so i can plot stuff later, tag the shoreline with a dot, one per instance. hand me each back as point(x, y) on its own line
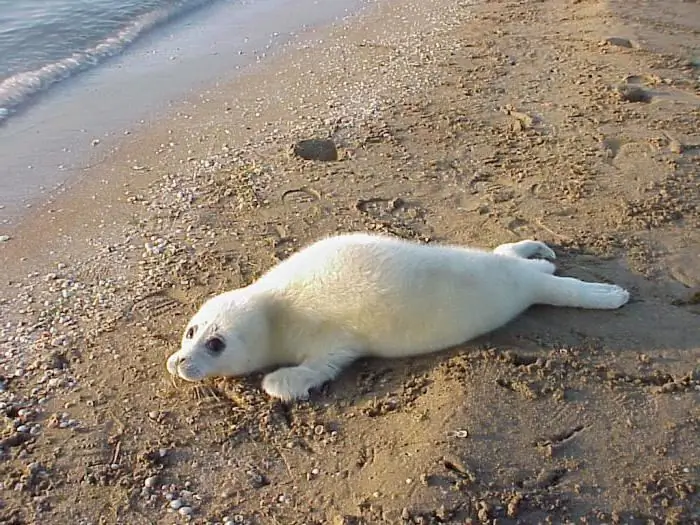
point(475, 123)
point(56, 137)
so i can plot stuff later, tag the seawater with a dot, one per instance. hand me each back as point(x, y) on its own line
point(43, 42)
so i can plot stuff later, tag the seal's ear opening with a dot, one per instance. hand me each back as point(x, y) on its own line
point(215, 345)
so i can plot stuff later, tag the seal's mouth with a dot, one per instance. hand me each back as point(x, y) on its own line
point(184, 368)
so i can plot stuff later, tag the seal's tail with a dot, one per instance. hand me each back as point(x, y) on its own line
point(567, 291)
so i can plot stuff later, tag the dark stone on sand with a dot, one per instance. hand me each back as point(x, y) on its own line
point(633, 94)
point(619, 42)
point(316, 149)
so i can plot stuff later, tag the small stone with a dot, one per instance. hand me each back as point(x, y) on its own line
point(633, 94)
point(316, 149)
point(23, 428)
point(95, 142)
point(619, 42)
point(176, 504)
point(150, 482)
point(185, 511)
point(4, 238)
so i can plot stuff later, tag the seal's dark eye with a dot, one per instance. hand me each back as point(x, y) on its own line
point(215, 345)
point(191, 331)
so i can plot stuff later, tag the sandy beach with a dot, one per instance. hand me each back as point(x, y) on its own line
point(572, 122)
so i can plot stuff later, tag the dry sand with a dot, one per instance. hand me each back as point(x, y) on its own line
point(574, 122)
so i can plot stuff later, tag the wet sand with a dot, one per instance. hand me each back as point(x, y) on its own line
point(475, 123)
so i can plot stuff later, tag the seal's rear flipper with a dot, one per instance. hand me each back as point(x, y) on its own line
point(567, 291)
point(526, 250)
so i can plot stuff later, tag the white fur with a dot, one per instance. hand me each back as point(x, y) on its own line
point(353, 295)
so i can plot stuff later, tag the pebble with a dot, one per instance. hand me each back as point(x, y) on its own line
point(185, 511)
point(618, 41)
point(176, 504)
point(24, 412)
point(150, 482)
point(4, 238)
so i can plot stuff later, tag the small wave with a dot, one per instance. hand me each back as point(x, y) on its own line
point(21, 87)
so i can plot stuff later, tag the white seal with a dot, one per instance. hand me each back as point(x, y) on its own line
point(355, 295)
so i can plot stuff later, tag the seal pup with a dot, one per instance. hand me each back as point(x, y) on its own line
point(370, 295)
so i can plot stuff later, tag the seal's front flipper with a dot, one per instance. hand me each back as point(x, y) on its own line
point(294, 382)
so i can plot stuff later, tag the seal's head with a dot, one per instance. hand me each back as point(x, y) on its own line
point(228, 336)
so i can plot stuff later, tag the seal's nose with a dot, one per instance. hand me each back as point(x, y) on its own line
point(174, 361)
